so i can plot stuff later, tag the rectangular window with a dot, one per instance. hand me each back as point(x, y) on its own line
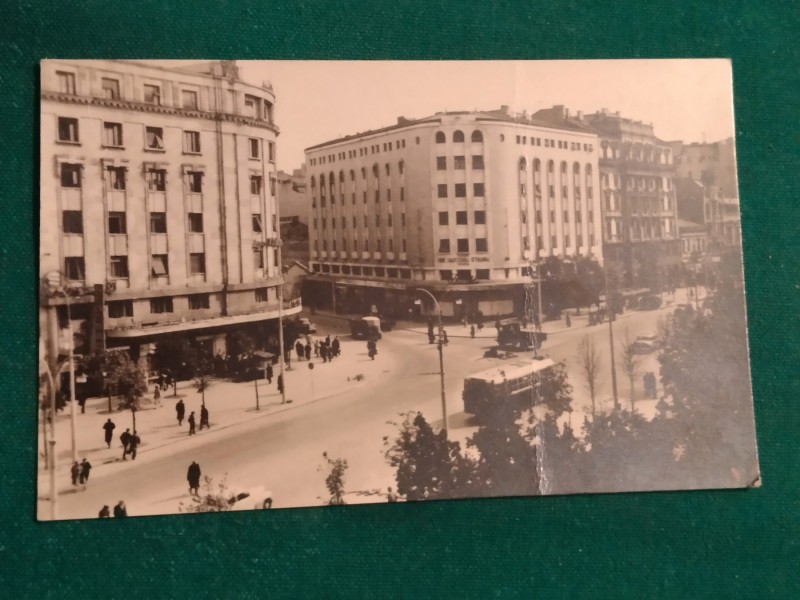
point(480, 217)
point(258, 226)
point(446, 274)
point(251, 106)
point(461, 217)
point(566, 216)
point(262, 294)
point(444, 218)
point(66, 82)
point(119, 266)
point(196, 222)
point(461, 190)
point(160, 305)
point(255, 148)
point(189, 99)
point(191, 142)
point(74, 268)
point(70, 175)
point(154, 138)
point(157, 180)
point(256, 183)
point(483, 273)
point(117, 223)
point(152, 94)
point(68, 130)
point(389, 220)
point(116, 178)
point(462, 245)
point(195, 182)
point(158, 222)
point(442, 190)
point(444, 246)
point(481, 245)
point(110, 88)
point(477, 162)
point(477, 190)
point(403, 245)
point(460, 163)
point(271, 151)
point(120, 308)
point(112, 134)
point(403, 219)
point(377, 220)
point(159, 265)
point(197, 263)
point(199, 301)
point(441, 163)
point(72, 221)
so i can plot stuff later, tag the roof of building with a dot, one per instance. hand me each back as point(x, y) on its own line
point(502, 115)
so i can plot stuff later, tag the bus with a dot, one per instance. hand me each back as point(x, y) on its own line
point(511, 383)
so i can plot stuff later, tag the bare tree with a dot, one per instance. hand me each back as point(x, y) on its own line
point(590, 366)
point(630, 362)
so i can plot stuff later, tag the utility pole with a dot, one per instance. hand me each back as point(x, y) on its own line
point(610, 314)
point(441, 358)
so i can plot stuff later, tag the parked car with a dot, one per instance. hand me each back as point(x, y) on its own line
point(306, 326)
point(645, 344)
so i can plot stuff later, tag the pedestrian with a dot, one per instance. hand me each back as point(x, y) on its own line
point(269, 372)
point(191, 422)
point(160, 382)
point(193, 477)
point(316, 348)
point(105, 512)
point(391, 496)
point(167, 379)
point(180, 410)
point(372, 349)
point(134, 445)
point(472, 331)
point(323, 352)
point(204, 418)
point(308, 350)
point(328, 340)
point(75, 471)
point(280, 383)
point(336, 346)
point(86, 466)
point(120, 510)
point(156, 396)
point(567, 320)
point(444, 337)
point(109, 427)
point(125, 438)
point(300, 349)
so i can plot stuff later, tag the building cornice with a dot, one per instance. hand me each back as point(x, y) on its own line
point(159, 109)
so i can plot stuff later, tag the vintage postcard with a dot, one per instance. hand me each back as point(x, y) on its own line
point(272, 284)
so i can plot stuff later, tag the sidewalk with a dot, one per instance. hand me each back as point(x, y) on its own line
point(230, 405)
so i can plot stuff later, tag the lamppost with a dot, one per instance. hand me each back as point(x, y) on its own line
point(441, 357)
point(538, 343)
point(281, 349)
point(610, 314)
point(54, 281)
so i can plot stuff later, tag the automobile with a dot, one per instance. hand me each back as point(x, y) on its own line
point(645, 344)
point(255, 498)
point(306, 326)
point(650, 302)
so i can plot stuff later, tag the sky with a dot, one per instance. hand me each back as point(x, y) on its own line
point(316, 101)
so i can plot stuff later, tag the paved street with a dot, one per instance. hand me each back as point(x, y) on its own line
point(281, 446)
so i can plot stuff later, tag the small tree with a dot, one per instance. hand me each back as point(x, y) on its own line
point(590, 365)
point(629, 361)
point(127, 379)
point(335, 479)
point(203, 376)
point(215, 497)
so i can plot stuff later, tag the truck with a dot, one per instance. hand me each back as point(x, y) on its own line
point(365, 328)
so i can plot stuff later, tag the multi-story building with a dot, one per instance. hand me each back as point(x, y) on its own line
point(294, 209)
point(158, 204)
point(705, 205)
point(641, 245)
point(462, 204)
point(711, 163)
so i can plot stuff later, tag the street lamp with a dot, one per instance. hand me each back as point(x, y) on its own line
point(54, 281)
point(536, 346)
point(610, 315)
point(441, 357)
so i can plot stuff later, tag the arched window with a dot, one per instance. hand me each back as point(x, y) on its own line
point(458, 136)
point(331, 179)
point(523, 164)
point(375, 171)
point(588, 170)
point(563, 167)
point(440, 139)
point(401, 166)
point(388, 170)
point(341, 176)
point(576, 168)
point(363, 172)
point(352, 175)
point(477, 136)
point(550, 166)
point(313, 182)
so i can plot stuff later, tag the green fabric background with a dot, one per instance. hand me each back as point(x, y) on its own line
point(721, 544)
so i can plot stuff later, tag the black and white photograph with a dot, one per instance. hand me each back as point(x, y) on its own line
point(281, 284)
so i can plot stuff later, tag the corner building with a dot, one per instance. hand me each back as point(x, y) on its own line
point(157, 205)
point(462, 204)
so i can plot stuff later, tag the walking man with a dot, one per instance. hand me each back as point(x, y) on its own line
point(308, 350)
point(120, 510)
point(180, 410)
point(109, 429)
point(191, 422)
point(193, 477)
point(316, 348)
point(134, 445)
point(300, 349)
point(280, 383)
point(75, 471)
point(86, 467)
point(125, 438)
point(336, 346)
point(472, 331)
point(204, 418)
point(269, 372)
point(105, 512)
